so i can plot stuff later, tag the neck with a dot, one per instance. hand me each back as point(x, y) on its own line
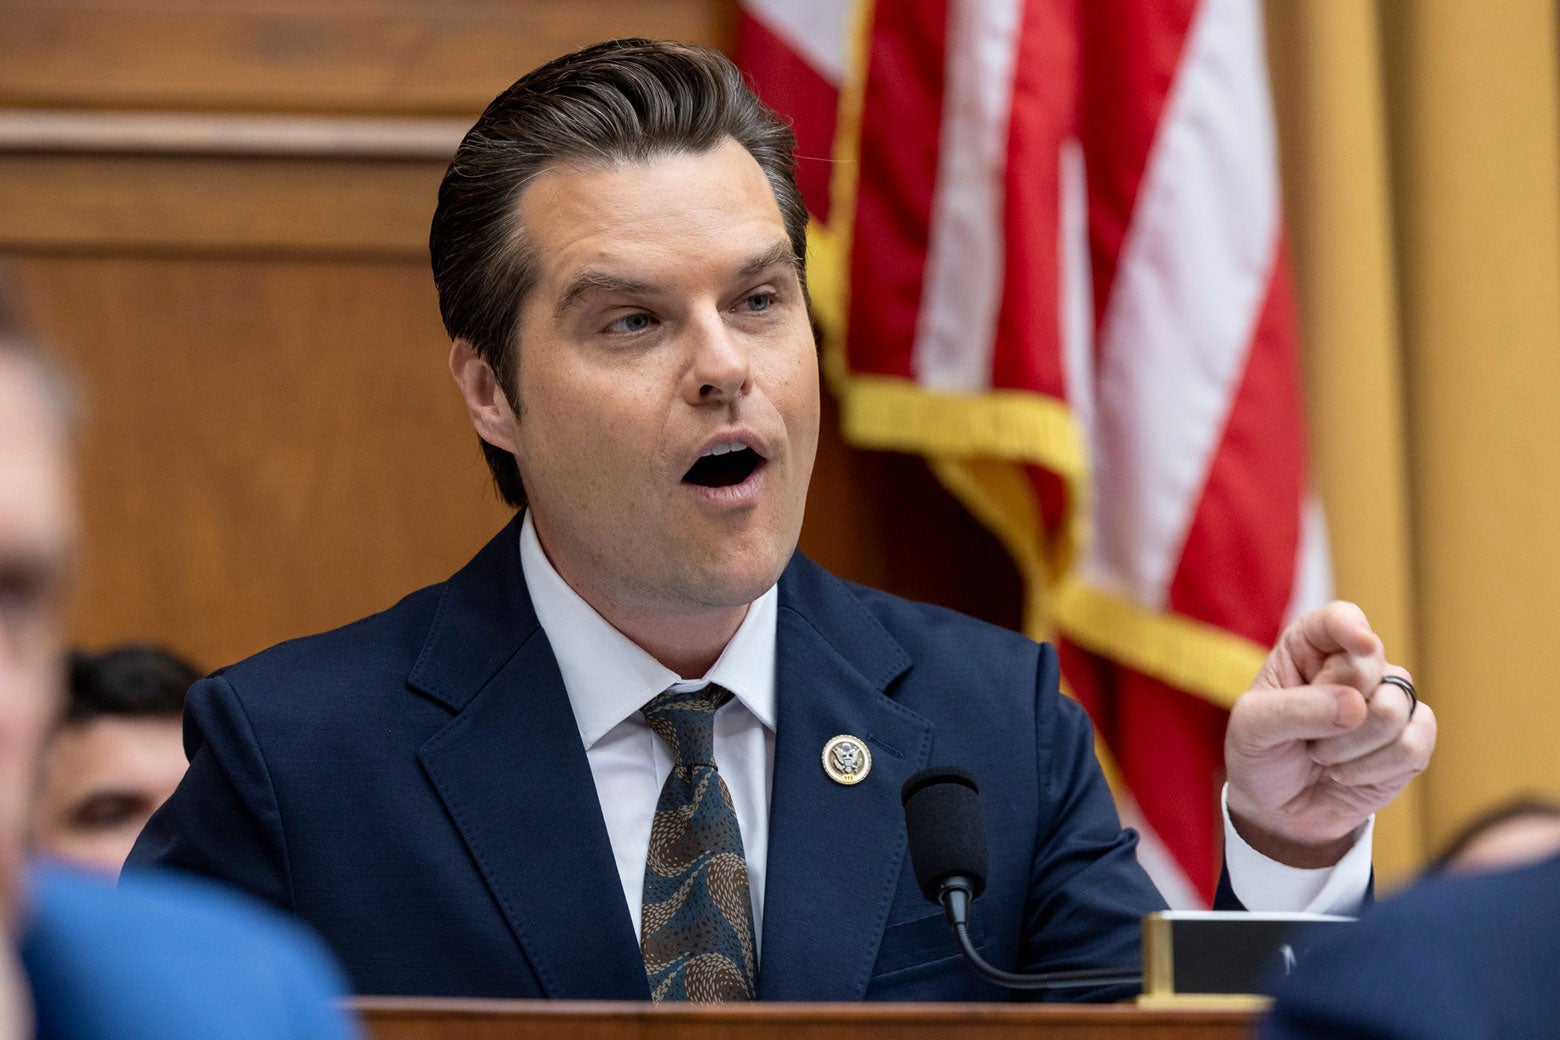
point(685, 639)
point(688, 644)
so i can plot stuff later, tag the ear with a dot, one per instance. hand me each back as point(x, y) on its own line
point(486, 403)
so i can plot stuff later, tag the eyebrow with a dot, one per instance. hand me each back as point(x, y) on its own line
point(591, 280)
point(776, 255)
point(597, 281)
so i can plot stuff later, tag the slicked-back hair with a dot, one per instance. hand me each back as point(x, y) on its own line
point(609, 105)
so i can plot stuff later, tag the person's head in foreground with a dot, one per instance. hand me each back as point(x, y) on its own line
point(116, 756)
point(634, 331)
point(36, 537)
point(79, 959)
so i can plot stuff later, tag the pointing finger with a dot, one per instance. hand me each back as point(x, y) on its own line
point(1337, 633)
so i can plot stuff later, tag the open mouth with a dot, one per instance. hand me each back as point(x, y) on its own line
point(723, 466)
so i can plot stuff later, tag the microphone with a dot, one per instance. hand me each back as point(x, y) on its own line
point(948, 853)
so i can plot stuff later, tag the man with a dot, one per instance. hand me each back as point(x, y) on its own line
point(641, 748)
point(157, 958)
point(115, 758)
point(1457, 957)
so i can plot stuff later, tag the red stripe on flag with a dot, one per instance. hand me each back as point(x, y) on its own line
point(792, 87)
point(1027, 354)
point(900, 127)
point(1131, 51)
point(1168, 747)
point(1237, 569)
point(1170, 750)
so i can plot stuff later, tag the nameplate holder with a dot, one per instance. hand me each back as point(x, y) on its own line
point(1222, 959)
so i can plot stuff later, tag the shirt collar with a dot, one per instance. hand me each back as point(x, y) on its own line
point(609, 677)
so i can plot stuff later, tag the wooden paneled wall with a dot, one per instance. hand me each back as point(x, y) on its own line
point(217, 212)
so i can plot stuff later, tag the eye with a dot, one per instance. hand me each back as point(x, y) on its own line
point(105, 810)
point(759, 302)
point(638, 321)
point(26, 596)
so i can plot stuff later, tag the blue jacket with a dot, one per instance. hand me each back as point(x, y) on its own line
point(1456, 958)
point(414, 786)
point(173, 959)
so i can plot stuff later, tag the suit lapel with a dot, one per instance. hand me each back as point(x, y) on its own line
point(835, 851)
point(513, 775)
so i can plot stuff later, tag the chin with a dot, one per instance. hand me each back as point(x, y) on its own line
point(742, 582)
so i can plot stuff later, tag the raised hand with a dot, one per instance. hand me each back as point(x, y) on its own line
point(1319, 742)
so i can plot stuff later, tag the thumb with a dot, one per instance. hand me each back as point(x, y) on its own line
point(1265, 718)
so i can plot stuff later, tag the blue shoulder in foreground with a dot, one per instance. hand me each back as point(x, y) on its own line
point(1455, 958)
point(172, 958)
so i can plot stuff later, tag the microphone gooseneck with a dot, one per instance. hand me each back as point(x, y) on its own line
point(948, 853)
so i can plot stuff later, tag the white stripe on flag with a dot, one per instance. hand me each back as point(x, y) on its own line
point(957, 324)
point(1077, 289)
point(1191, 280)
point(817, 30)
point(1313, 564)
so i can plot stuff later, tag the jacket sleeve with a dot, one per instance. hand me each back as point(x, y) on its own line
point(223, 821)
point(1088, 893)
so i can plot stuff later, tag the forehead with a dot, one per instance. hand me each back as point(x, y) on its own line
point(34, 467)
point(677, 216)
point(123, 747)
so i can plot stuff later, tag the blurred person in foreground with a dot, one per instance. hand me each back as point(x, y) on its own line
point(79, 959)
point(1468, 953)
point(1470, 956)
point(115, 757)
point(640, 747)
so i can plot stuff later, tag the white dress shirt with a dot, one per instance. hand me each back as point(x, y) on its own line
point(609, 679)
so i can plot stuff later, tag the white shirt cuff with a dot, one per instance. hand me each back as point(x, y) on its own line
point(1267, 885)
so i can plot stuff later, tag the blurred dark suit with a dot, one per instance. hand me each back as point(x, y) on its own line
point(1454, 958)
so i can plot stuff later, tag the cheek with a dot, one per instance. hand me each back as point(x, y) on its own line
point(24, 724)
point(797, 391)
point(589, 441)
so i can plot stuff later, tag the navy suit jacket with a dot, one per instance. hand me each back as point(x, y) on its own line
point(1456, 958)
point(414, 786)
point(174, 959)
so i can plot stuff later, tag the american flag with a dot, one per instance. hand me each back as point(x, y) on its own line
point(1048, 254)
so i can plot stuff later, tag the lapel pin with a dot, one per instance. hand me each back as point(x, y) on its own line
point(847, 760)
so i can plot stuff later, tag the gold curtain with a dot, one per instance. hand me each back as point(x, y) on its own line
point(1419, 142)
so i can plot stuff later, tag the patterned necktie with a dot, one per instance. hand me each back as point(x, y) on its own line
point(697, 930)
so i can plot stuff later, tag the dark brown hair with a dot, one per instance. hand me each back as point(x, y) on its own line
point(615, 103)
point(135, 680)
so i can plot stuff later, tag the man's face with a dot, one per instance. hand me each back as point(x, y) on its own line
point(35, 538)
point(668, 382)
point(103, 779)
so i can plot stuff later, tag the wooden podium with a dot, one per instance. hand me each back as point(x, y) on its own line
point(424, 1019)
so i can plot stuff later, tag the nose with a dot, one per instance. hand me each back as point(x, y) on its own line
point(719, 371)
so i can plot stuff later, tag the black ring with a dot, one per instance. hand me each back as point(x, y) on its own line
point(1406, 686)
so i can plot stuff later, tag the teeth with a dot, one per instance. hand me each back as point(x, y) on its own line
point(724, 449)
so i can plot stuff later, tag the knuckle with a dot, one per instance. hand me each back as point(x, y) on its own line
point(1416, 745)
point(1390, 710)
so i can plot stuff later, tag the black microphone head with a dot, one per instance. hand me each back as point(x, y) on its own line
point(947, 836)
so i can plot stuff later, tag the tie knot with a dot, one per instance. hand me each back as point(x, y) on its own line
point(685, 722)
